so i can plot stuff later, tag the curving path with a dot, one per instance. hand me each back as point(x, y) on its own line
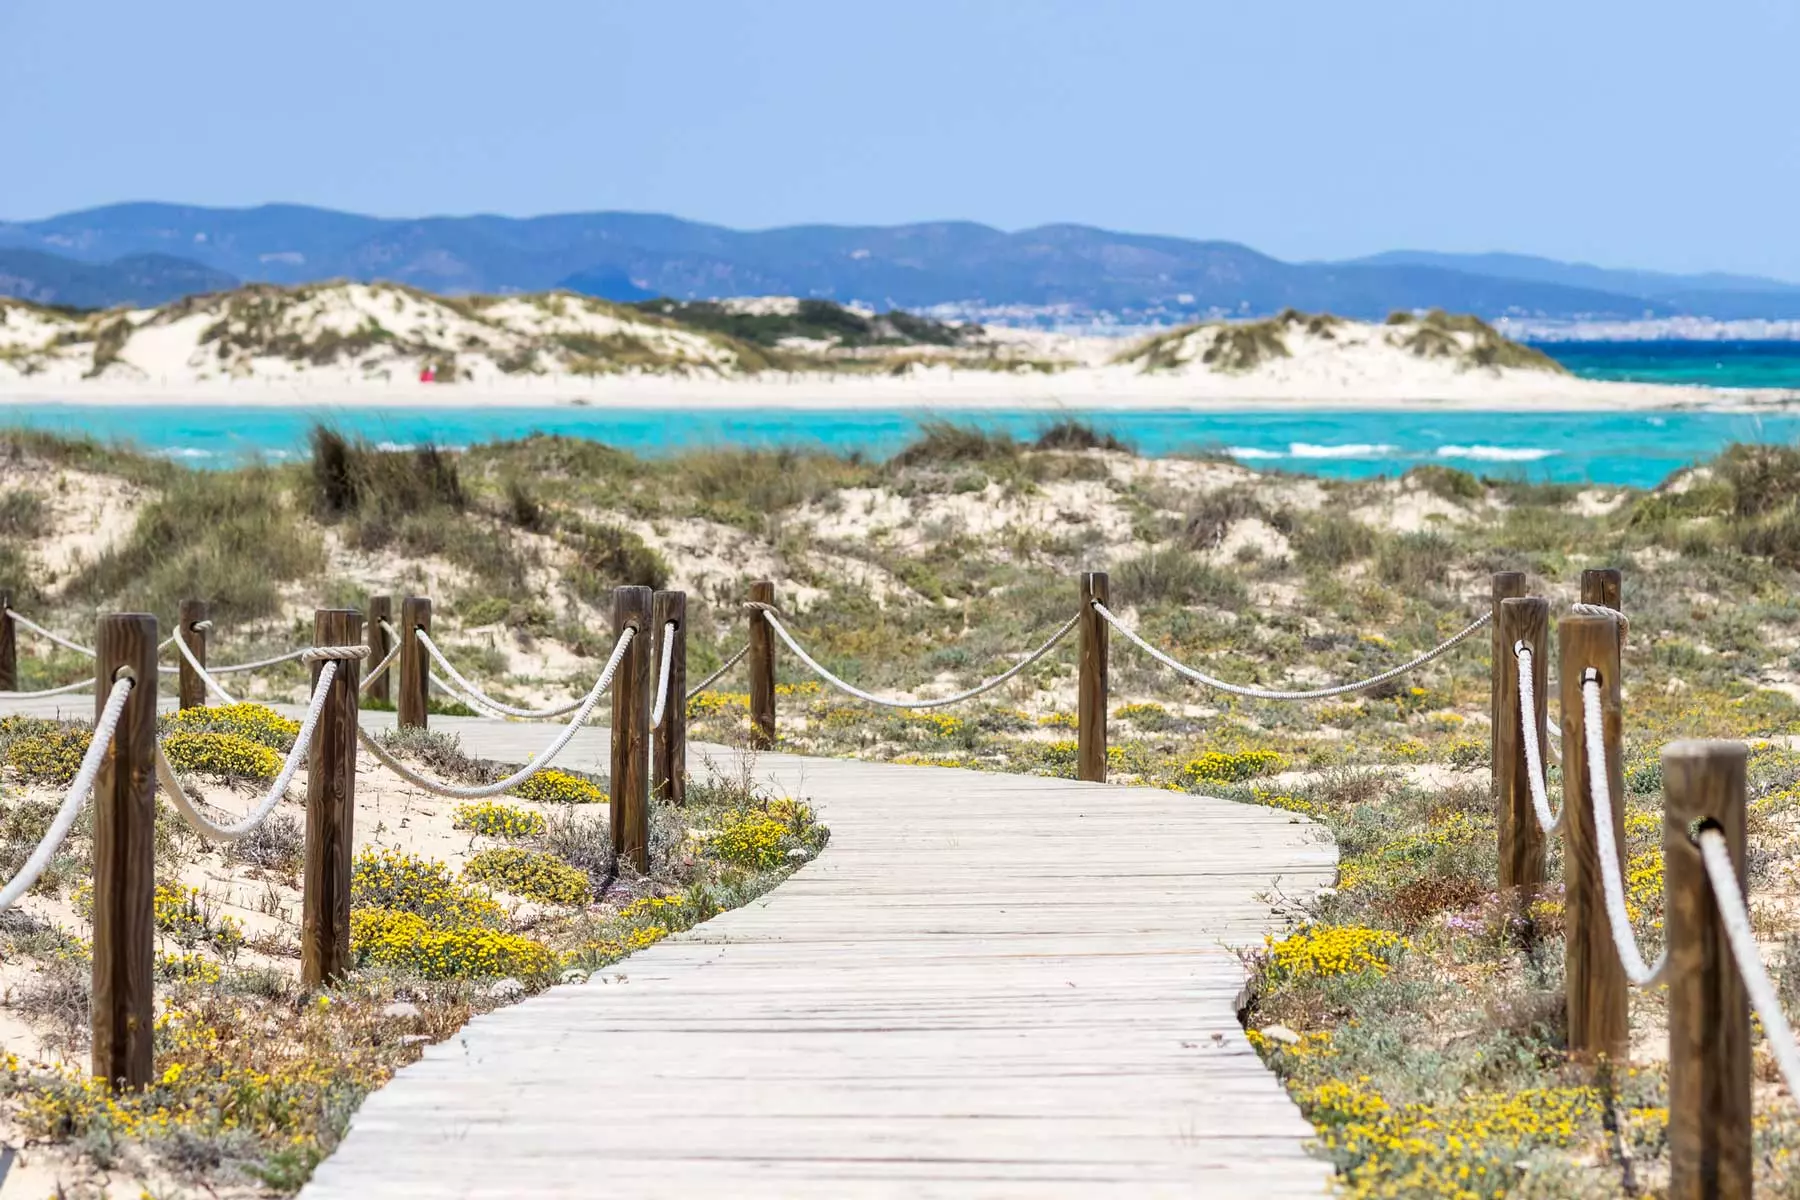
point(987, 985)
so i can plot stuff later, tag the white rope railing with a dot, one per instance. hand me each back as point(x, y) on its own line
point(1323, 693)
point(241, 829)
point(105, 725)
point(1734, 915)
point(206, 677)
point(887, 702)
point(1534, 756)
point(729, 663)
point(474, 695)
point(20, 619)
point(1618, 917)
point(662, 675)
point(234, 668)
point(174, 639)
point(380, 668)
point(80, 685)
point(538, 763)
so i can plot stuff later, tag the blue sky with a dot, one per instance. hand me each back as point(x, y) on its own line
point(1653, 134)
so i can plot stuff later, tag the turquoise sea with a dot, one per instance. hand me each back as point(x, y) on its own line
point(1635, 448)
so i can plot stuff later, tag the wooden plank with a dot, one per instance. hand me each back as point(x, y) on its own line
point(123, 1011)
point(933, 1007)
point(330, 809)
point(1709, 1011)
point(1598, 1006)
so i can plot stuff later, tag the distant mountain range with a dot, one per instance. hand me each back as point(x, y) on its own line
point(149, 253)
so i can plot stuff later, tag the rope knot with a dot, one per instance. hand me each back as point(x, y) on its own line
point(761, 606)
point(1601, 610)
point(333, 653)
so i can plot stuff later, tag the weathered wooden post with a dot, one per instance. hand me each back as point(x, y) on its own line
point(123, 1010)
point(1504, 586)
point(762, 668)
point(381, 615)
point(9, 646)
point(1523, 619)
point(414, 666)
point(1596, 977)
point(1709, 1010)
point(1604, 586)
point(668, 756)
point(191, 627)
point(330, 808)
point(629, 811)
point(1090, 691)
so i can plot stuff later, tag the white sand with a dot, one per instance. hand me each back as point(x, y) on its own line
point(938, 388)
point(357, 345)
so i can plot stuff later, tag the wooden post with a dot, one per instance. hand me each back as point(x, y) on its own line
point(123, 1012)
point(414, 666)
point(1090, 692)
point(762, 669)
point(9, 646)
point(330, 808)
point(1520, 619)
point(1504, 585)
point(191, 692)
point(1596, 978)
point(1709, 1011)
point(629, 812)
point(1603, 585)
point(381, 612)
point(668, 758)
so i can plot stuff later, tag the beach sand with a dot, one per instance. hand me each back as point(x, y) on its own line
point(934, 388)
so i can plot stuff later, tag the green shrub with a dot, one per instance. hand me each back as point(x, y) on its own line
point(1446, 482)
point(1176, 576)
point(1331, 540)
point(1219, 766)
point(751, 838)
point(531, 874)
point(942, 442)
point(404, 941)
point(223, 755)
point(23, 514)
point(52, 756)
point(612, 556)
point(1078, 435)
point(559, 787)
point(1415, 560)
point(401, 882)
point(493, 819)
point(355, 478)
point(230, 537)
point(252, 722)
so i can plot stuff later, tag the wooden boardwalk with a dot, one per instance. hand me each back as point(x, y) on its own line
point(987, 985)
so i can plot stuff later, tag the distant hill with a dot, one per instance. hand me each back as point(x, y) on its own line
point(1712, 294)
point(137, 279)
point(1074, 271)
